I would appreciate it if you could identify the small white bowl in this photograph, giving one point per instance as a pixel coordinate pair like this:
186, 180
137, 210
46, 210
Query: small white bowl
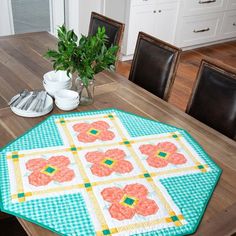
66, 94
66, 99
67, 102
57, 77
57, 85
67, 107
51, 90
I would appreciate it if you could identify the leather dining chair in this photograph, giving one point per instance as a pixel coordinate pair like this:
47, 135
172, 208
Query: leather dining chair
154, 65
114, 29
213, 99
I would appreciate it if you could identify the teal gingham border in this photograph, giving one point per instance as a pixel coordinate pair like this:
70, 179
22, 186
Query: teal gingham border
124, 116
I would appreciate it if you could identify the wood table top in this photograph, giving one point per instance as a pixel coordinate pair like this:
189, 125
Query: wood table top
22, 65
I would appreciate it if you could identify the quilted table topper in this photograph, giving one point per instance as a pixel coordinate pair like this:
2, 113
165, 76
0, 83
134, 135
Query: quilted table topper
107, 172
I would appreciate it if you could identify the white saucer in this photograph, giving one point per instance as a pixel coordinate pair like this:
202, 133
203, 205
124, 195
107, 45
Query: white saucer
47, 108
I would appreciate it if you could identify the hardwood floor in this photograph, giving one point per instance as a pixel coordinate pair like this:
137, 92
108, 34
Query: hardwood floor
188, 67
11, 227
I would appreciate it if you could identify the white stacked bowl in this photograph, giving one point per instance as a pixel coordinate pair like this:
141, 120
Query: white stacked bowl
66, 99
54, 81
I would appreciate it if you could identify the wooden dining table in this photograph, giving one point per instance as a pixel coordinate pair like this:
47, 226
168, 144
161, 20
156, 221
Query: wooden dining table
22, 66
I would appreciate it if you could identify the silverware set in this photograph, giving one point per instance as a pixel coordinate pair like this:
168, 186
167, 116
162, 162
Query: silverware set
29, 100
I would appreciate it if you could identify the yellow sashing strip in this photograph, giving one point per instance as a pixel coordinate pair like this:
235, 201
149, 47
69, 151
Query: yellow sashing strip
80, 166
174, 171
52, 190
19, 183
146, 224
67, 133
150, 139
136, 158
45, 152
80, 118
100, 145
98, 210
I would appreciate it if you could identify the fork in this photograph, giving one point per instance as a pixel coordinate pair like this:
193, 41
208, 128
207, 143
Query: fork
38, 101
29, 101
41, 104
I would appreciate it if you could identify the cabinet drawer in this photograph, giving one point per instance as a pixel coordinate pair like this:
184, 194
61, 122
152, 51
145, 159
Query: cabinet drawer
168, 1
142, 2
231, 4
195, 7
199, 29
229, 24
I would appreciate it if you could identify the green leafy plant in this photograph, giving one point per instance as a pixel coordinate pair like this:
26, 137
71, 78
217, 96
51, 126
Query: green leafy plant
86, 57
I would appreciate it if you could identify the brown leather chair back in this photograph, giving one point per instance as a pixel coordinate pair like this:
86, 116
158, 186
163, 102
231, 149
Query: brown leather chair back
213, 100
154, 65
114, 29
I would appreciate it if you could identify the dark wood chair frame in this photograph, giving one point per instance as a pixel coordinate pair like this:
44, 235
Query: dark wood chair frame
121, 26
155, 41
217, 66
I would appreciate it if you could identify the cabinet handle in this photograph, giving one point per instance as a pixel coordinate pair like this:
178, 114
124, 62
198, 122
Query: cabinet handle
234, 24
202, 30
159, 11
203, 2
154, 11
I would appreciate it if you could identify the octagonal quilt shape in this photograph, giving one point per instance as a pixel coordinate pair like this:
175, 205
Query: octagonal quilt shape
107, 172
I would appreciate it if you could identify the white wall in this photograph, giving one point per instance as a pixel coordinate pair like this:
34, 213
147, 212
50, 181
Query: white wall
85, 9
72, 15
110, 5
5, 18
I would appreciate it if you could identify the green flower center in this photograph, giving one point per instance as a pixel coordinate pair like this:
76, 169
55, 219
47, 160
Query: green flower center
108, 162
129, 201
49, 170
162, 154
94, 132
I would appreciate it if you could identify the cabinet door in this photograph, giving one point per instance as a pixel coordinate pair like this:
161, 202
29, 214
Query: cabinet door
195, 30
231, 4
229, 25
142, 18
165, 22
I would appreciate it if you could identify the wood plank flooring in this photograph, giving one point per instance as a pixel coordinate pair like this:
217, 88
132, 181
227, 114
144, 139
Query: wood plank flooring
188, 67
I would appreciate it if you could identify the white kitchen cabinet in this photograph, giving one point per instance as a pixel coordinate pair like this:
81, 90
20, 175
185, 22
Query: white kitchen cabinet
205, 22
184, 23
155, 17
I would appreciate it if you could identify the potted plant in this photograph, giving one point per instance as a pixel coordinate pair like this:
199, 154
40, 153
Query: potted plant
83, 58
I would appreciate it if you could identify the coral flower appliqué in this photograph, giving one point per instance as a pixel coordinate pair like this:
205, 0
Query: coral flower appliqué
54, 169
127, 202
162, 154
95, 131
108, 162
